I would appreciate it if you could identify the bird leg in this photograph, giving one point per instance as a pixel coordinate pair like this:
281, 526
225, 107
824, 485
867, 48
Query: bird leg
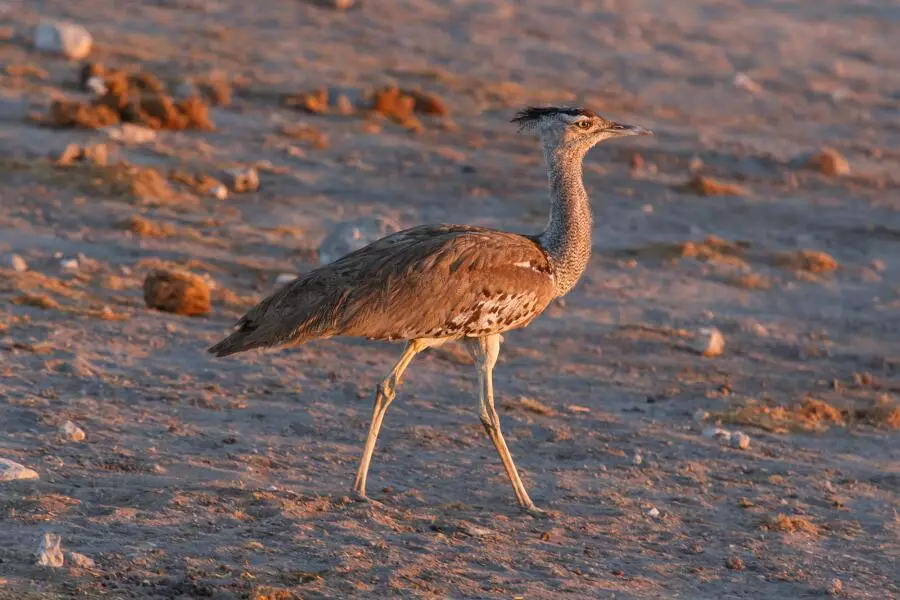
384, 395
486, 350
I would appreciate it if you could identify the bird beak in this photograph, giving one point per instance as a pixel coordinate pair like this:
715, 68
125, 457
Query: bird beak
622, 129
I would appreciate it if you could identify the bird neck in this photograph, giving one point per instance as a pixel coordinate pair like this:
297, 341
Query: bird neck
567, 238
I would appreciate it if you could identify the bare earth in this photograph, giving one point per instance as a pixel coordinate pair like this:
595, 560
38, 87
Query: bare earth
229, 478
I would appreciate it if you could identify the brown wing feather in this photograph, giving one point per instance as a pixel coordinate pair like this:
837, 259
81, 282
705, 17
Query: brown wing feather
429, 281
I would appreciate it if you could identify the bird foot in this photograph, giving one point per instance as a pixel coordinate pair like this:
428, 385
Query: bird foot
363, 499
537, 513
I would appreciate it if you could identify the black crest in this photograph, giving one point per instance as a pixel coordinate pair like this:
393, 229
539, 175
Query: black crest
533, 114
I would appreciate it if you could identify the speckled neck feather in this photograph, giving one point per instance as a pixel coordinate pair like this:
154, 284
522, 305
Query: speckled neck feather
567, 238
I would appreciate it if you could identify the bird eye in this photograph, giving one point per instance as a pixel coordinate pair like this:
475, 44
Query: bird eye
584, 124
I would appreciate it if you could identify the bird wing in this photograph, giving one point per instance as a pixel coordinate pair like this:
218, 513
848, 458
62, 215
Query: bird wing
428, 281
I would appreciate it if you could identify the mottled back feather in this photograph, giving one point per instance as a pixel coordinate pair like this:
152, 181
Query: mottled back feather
432, 281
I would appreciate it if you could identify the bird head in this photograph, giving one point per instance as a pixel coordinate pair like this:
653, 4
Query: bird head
572, 127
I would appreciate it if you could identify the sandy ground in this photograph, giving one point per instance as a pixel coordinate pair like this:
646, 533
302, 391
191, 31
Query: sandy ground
229, 478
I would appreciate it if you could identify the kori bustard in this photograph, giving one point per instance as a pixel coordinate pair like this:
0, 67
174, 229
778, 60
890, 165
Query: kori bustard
434, 283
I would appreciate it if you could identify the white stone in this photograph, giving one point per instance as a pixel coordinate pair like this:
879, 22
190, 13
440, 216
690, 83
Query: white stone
71, 431
653, 513
14, 262
69, 263
67, 39
76, 559
96, 86
50, 552
13, 471
743, 81
708, 341
723, 435
637, 459
353, 235
285, 278
131, 134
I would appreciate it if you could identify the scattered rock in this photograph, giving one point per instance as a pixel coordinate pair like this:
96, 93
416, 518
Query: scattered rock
131, 134
13, 471
97, 154
829, 161
475, 530
14, 262
67, 39
709, 342
700, 415
178, 292
717, 433
707, 186
71, 432
734, 563
740, 440
242, 180
69, 264
743, 81
812, 261
76, 559
353, 235
637, 459
219, 192
653, 513
50, 552
835, 587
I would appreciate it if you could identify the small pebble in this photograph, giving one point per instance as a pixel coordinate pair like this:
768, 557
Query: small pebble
271, 488
740, 440
653, 513
13, 471
835, 587
734, 563
242, 180
709, 342
475, 530
219, 192
50, 552
14, 262
69, 263
700, 415
743, 81
71, 431
723, 435
829, 161
76, 559
637, 459
130, 134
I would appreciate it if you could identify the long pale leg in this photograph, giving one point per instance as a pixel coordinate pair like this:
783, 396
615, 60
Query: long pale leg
384, 395
486, 350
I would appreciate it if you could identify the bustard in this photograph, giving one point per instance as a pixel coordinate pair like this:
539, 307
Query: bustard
434, 283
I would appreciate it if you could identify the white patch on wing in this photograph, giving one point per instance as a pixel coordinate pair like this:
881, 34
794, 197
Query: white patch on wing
490, 313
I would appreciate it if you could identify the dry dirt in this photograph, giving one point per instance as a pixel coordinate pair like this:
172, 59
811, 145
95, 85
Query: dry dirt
202, 478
